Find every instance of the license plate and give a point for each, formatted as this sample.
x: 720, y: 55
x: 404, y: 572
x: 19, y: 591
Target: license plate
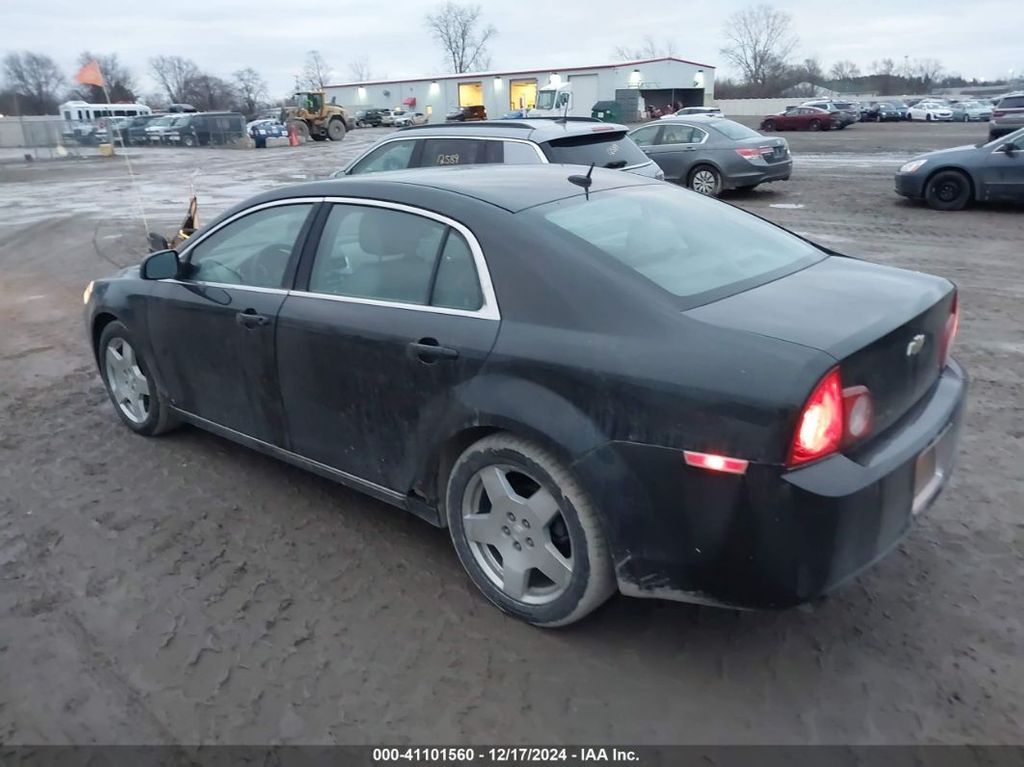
x: 930, y: 469
x: 924, y: 470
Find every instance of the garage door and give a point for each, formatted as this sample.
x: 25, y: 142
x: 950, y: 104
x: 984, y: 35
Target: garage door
x: 522, y: 94
x: 584, y: 93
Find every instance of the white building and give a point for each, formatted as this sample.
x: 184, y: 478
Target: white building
x: 657, y: 82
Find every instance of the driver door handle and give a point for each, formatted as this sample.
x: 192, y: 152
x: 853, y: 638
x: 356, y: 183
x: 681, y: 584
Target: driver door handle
x: 250, y: 319
x: 429, y: 351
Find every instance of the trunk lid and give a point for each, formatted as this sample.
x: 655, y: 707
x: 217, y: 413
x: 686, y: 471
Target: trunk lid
x: 772, y: 150
x: 883, y: 325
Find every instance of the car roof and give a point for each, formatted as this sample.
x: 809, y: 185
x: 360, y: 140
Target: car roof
x: 511, y: 187
x: 537, y: 129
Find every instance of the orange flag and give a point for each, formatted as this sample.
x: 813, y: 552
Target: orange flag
x: 90, y: 74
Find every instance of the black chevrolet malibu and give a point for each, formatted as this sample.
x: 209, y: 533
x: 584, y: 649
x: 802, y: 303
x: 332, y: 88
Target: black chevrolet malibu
x: 595, y: 386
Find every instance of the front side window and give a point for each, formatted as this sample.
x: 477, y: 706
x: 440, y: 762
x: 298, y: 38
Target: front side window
x: 395, y: 155
x: 253, y: 250
x: 688, y: 245
x: 439, y: 152
x: 390, y: 255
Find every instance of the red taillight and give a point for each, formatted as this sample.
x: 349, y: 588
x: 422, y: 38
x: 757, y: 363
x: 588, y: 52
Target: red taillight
x: 750, y: 154
x: 999, y: 114
x: 713, y: 462
x: 819, y: 430
x: 949, y: 332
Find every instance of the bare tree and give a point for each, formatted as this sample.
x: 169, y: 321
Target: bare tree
x: 251, y: 89
x: 845, y: 70
x: 884, y: 72
x: 36, y: 78
x: 812, y: 71
x: 648, y: 50
x: 175, y: 75
x: 928, y: 71
x: 462, y: 35
x: 359, y: 69
x: 760, y: 44
x: 209, y: 93
x: 119, y: 79
x: 316, y: 74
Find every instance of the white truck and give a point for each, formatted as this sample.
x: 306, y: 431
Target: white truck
x: 579, y: 95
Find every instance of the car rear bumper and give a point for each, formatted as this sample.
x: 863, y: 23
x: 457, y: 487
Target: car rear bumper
x: 910, y: 185
x: 771, y: 537
x: 758, y: 174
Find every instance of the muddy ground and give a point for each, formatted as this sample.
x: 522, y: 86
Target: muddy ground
x: 184, y: 589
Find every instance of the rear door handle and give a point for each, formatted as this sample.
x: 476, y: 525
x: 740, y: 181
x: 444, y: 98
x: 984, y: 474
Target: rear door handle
x: 428, y: 350
x: 250, y: 319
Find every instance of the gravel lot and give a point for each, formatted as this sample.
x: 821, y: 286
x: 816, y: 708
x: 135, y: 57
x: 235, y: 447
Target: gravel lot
x: 184, y: 589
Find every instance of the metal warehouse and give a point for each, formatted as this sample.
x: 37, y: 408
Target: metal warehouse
x: 635, y: 85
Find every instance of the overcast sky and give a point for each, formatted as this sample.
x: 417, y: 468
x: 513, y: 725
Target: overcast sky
x: 976, y: 38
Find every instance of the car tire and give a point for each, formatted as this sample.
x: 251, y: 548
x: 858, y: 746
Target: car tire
x: 769, y: 125
x: 336, y: 129
x: 948, y: 190
x: 129, y: 383
x: 507, y: 473
x: 928, y: 117
x: 815, y: 125
x: 189, y: 141
x: 705, y: 180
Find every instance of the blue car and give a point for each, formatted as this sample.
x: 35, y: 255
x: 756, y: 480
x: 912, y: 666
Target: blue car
x: 261, y: 130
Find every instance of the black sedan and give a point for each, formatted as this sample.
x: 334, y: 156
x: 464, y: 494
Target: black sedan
x: 596, y: 383
x: 950, y: 179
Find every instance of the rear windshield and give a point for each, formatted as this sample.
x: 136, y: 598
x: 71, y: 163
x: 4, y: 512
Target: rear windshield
x: 1012, y: 102
x: 695, y: 248
x: 605, y: 150
x: 844, y: 105
x: 734, y: 130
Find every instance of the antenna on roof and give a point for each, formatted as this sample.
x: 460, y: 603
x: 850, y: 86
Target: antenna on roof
x: 584, y: 181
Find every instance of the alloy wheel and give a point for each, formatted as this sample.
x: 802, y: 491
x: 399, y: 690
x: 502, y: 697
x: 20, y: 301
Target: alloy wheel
x: 704, y: 182
x: 128, y: 384
x: 517, y: 534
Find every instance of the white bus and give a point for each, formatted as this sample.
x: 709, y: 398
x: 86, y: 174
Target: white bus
x: 83, y: 112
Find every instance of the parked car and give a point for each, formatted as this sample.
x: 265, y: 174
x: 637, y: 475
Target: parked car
x: 409, y: 118
x: 971, y: 111
x: 371, y: 117
x: 847, y: 113
x: 207, y: 129
x: 801, y: 118
x: 261, y: 130
x: 133, y: 132
x: 1007, y: 116
x: 464, y: 114
x: 388, y: 116
x: 757, y: 420
x: 888, y: 111
x: 693, y: 111
x: 712, y: 155
x: 158, y: 130
x: 181, y: 108
x: 950, y: 179
x: 930, y: 111
x: 577, y: 141
x: 516, y: 114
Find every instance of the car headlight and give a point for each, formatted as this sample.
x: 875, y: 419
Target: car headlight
x: 911, y: 166
x: 87, y: 293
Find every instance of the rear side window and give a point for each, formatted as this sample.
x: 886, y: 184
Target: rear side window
x: 605, y: 150
x: 734, y: 130
x: 518, y: 153
x: 681, y: 134
x: 688, y: 245
x: 390, y: 255
x: 458, y: 151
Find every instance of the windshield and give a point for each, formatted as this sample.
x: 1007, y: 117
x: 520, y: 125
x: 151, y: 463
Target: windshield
x: 734, y: 130
x: 546, y: 99
x: 611, y: 149
x: 691, y: 246
x: 1017, y: 137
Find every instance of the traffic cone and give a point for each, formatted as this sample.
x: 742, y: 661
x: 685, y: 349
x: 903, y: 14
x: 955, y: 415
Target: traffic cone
x: 293, y: 136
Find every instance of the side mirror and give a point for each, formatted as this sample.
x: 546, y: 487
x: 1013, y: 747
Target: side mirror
x: 162, y: 265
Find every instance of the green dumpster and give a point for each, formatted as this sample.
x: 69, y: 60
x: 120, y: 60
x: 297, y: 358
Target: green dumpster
x: 607, y: 111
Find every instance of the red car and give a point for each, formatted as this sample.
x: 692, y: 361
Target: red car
x: 800, y: 118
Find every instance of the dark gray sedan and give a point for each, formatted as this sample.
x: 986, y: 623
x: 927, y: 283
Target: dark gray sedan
x: 951, y: 178
x: 713, y: 155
